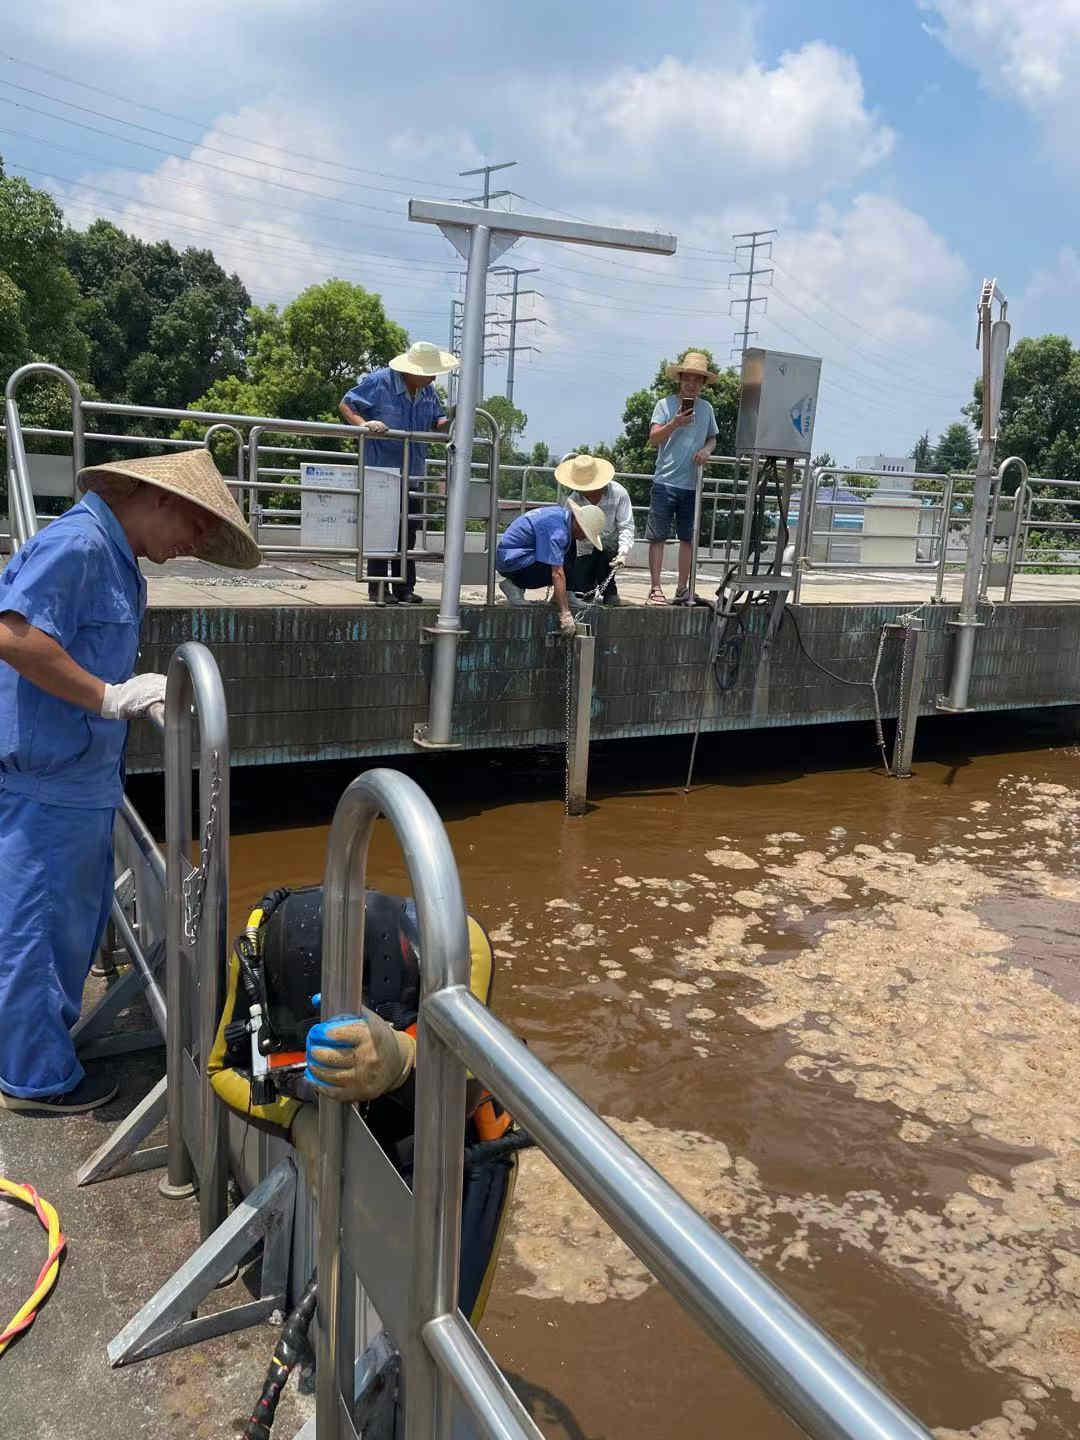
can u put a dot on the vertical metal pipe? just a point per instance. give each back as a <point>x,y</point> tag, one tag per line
<point>493,506</point>
<point>213,937</point>
<point>254,506</point>
<point>359,508</point>
<point>946,516</point>
<point>403,525</point>
<point>448,621</point>
<point>178,1181</point>
<point>698,483</point>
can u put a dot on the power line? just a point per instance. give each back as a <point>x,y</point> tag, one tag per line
<point>204,164</point>
<point>208,124</point>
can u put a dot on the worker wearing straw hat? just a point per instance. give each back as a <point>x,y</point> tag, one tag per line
<point>400,396</point>
<point>589,569</point>
<point>531,553</point>
<point>71,604</point>
<point>684,431</point>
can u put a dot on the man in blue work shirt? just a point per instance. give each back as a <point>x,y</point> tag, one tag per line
<point>531,555</point>
<point>400,396</point>
<point>684,431</point>
<point>71,603</point>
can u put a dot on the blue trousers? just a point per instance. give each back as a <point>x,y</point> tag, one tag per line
<point>56,879</point>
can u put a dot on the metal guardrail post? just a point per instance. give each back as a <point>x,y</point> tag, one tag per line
<point>440,1086</point>
<point>197,914</point>
<point>238,436</point>
<point>946,518</point>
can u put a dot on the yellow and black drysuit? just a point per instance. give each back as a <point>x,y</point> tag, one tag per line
<point>281,951</point>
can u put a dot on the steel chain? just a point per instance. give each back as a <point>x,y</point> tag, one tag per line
<point>194,886</point>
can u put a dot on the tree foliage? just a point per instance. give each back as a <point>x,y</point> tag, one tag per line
<point>631,452</point>
<point>1040,408</point>
<point>38,298</point>
<point>954,453</point>
<point>922,454</point>
<point>162,324</point>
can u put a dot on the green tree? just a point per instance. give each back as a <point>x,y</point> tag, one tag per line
<point>1040,408</point>
<point>511,422</point>
<point>540,454</point>
<point>631,452</point>
<point>163,325</point>
<point>954,453</point>
<point>923,454</point>
<point>38,298</point>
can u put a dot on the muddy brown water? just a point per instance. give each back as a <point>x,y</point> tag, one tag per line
<point>839,1013</point>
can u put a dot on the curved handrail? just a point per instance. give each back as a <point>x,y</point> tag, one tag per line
<point>440,1081</point>
<point>194,687</point>
<point>24,517</point>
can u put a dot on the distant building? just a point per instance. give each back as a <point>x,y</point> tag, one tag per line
<point>898,465</point>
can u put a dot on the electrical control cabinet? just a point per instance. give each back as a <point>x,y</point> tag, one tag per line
<point>777,403</point>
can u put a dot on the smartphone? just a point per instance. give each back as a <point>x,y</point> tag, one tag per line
<point>687,407</point>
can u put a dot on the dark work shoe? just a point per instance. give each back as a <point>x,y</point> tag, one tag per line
<point>91,1091</point>
<point>408,597</point>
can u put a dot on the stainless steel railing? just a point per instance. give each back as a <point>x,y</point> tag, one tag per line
<point>797,1365</point>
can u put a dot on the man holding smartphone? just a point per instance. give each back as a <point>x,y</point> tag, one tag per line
<point>684,432</point>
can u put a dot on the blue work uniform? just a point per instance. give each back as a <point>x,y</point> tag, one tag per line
<point>532,544</point>
<point>383,395</point>
<point>61,781</point>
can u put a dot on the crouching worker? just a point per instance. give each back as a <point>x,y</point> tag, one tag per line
<point>274,1061</point>
<point>532,553</point>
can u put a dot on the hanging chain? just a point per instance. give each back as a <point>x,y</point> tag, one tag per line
<point>194,886</point>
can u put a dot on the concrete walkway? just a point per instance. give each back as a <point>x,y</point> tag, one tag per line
<point>124,1241</point>
<point>189,583</point>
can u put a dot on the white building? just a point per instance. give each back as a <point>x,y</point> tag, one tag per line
<point>900,466</point>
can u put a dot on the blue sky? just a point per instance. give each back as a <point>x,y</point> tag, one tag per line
<point>902,150</point>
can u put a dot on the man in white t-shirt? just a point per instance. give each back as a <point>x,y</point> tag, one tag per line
<point>684,431</point>
<point>589,569</point>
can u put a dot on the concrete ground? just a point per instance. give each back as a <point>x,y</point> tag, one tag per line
<point>124,1241</point>
<point>329,582</point>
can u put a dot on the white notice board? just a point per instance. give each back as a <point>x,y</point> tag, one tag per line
<point>328,520</point>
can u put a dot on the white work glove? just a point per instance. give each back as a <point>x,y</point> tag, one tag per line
<point>567,624</point>
<point>358,1057</point>
<point>374,427</point>
<point>141,695</point>
<point>618,562</point>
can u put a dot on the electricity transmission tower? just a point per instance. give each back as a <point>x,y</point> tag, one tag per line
<point>753,241</point>
<point>514,294</point>
<point>457,306</point>
<point>486,198</point>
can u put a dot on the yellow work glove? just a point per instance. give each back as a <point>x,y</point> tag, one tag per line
<point>358,1057</point>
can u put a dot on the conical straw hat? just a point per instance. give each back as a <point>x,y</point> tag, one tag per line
<point>192,475</point>
<point>591,519</point>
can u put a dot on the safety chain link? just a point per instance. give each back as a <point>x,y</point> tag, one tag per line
<point>194,886</point>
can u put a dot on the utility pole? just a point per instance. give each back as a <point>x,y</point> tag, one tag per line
<point>749,240</point>
<point>513,295</point>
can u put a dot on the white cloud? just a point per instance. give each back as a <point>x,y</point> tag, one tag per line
<point>803,122</point>
<point>1029,49</point>
<point>154,27</point>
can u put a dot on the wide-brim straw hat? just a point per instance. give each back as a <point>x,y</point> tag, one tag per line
<point>193,476</point>
<point>584,472</point>
<point>693,362</point>
<point>591,520</point>
<point>423,358</point>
